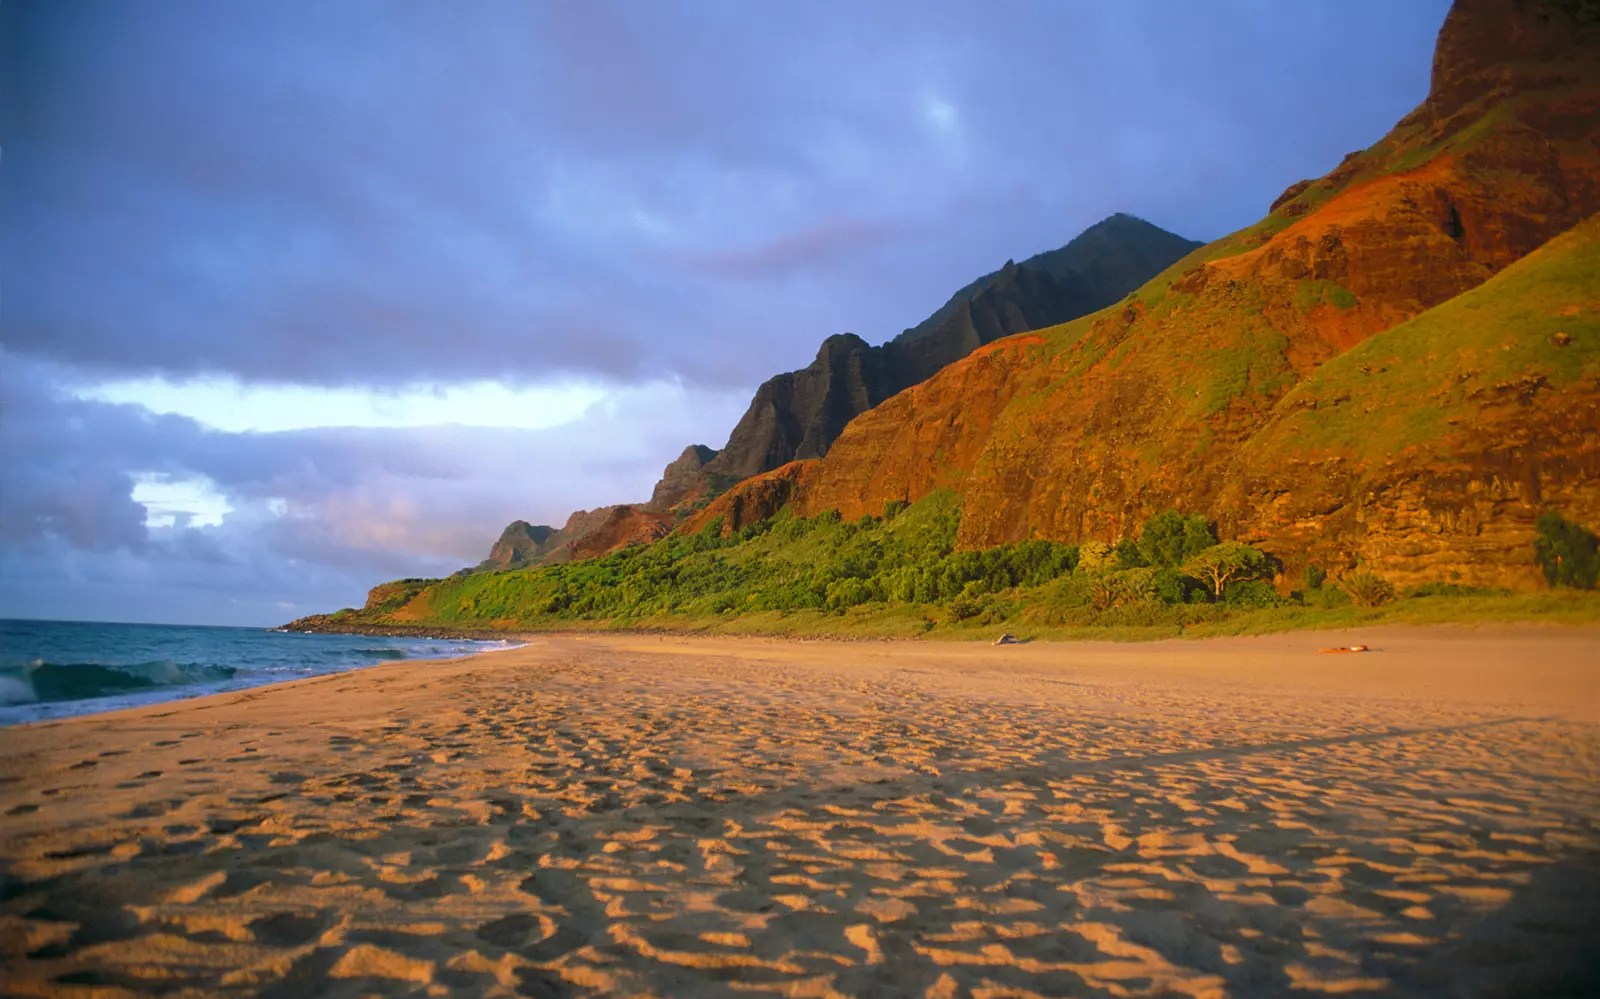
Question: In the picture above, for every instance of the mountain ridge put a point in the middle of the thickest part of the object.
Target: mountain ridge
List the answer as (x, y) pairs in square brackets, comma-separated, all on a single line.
[(798, 414), (1081, 431)]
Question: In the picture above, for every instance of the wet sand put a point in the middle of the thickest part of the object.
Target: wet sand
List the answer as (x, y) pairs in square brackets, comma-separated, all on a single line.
[(655, 817)]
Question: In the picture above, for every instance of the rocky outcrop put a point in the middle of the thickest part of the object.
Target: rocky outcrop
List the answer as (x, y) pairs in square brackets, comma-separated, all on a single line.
[(586, 533), (799, 414), (1492, 49), (387, 596), (684, 481), (521, 544), (755, 499), (622, 527)]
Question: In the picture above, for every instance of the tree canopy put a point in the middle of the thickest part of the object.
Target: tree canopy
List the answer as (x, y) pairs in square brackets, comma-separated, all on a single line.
[(1222, 564)]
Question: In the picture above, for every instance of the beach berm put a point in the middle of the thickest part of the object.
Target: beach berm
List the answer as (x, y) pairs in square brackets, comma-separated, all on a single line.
[(668, 816)]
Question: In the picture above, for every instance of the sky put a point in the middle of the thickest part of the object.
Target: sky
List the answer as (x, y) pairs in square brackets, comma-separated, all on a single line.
[(299, 297)]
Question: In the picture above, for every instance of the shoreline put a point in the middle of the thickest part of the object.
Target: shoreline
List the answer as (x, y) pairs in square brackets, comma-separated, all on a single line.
[(1026, 653), (403, 631)]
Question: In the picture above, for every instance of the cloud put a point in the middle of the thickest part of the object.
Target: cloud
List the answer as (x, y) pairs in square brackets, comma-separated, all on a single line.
[(298, 515), (825, 244), (384, 193)]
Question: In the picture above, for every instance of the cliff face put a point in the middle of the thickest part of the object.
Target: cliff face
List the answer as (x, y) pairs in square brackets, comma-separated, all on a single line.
[(1430, 449), (799, 414), (1170, 398)]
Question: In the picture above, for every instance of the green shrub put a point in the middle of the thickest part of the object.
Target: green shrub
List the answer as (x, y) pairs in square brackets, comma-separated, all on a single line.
[(1116, 589), (1103, 591), (1314, 577), (1568, 553), (1368, 589), (1252, 593), (961, 610), (1173, 587)]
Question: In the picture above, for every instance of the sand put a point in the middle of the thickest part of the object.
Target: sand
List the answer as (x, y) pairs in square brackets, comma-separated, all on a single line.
[(654, 817)]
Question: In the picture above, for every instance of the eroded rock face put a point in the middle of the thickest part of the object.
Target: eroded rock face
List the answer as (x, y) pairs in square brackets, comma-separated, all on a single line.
[(1087, 430), (799, 413)]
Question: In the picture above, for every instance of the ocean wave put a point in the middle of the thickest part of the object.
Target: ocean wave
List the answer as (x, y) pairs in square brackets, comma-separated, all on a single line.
[(47, 681), (58, 669)]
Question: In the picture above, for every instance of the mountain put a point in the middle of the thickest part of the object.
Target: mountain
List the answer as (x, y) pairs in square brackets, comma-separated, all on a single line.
[(799, 414), (1193, 392)]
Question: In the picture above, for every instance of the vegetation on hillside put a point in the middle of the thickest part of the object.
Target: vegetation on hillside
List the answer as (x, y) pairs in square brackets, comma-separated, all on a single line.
[(901, 574)]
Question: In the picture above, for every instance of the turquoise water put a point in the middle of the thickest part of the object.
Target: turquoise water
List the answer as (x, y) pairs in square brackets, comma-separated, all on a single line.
[(52, 669)]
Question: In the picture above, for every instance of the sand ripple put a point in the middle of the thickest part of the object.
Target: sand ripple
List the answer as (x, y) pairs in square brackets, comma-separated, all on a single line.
[(586, 817)]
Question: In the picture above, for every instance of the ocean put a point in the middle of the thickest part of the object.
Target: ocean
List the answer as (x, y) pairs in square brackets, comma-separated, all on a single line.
[(53, 669)]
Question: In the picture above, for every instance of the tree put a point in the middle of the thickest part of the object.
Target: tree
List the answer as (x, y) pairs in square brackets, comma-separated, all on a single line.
[(1568, 553), (1093, 556), (1221, 564), (1170, 538), (1128, 555)]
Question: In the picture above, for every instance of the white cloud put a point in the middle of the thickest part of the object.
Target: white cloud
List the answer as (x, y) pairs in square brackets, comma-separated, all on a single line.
[(192, 501), (940, 115), (227, 404)]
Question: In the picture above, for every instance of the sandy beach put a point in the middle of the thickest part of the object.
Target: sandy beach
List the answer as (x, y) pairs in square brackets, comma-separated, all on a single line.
[(651, 816)]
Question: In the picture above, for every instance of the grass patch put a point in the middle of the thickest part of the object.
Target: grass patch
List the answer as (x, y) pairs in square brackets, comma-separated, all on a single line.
[(1532, 328)]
